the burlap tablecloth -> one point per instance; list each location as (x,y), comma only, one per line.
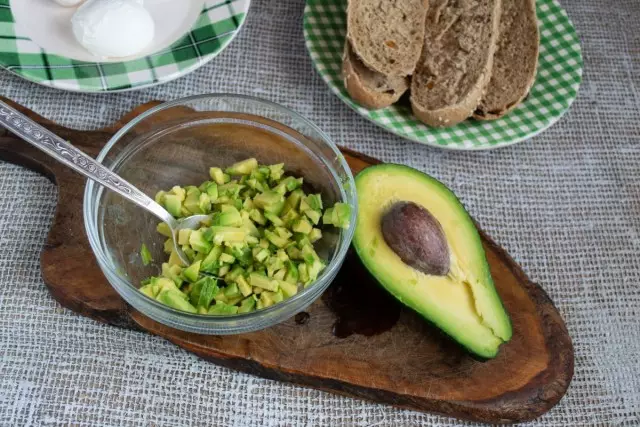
(566,204)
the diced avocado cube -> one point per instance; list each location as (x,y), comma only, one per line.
(229,218)
(314,201)
(226,258)
(222,234)
(283,232)
(257,216)
(173,205)
(304,206)
(204,203)
(273,265)
(302,225)
(256,290)
(275,239)
(244,167)
(261,254)
(191,273)
(232,291)
(327,218)
(266,199)
(282,255)
(292,273)
(163,228)
(175,299)
(190,253)
(198,242)
(315,269)
(202,310)
(276,208)
(235,300)
(276,171)
(274,219)
(293,201)
(212,191)
(255,184)
(260,281)
(243,285)
(183,236)
(278,296)
(343,213)
(287,184)
(289,217)
(192,202)
(279,275)
(210,262)
(218,176)
(208,290)
(294,252)
(232,189)
(266,299)
(314,216)
(309,255)
(264,243)
(159,198)
(288,289)
(303,272)
(247,305)
(301,240)
(233,274)
(163,284)
(315,235)
(178,191)
(172,272)
(148,290)
(249,226)
(222,308)
(247,205)
(174,259)
(222,200)
(168,246)
(222,271)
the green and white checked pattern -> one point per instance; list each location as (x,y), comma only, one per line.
(556,86)
(214,29)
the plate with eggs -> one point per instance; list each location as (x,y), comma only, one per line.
(114,45)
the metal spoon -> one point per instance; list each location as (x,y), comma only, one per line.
(70,156)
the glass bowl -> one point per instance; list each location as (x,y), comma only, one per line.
(175,143)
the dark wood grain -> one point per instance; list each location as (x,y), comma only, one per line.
(405,363)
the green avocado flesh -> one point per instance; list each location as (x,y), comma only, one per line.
(463,302)
(255,249)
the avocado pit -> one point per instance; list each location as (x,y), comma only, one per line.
(417,238)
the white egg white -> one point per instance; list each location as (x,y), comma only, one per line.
(113,28)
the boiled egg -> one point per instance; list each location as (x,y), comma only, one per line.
(113,28)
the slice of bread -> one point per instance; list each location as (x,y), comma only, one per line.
(387,35)
(367,87)
(515,60)
(455,66)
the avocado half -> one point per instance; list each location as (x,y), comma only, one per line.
(415,237)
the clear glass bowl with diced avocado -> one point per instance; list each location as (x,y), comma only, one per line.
(256,248)
(281,208)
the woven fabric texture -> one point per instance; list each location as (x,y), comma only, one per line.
(565,204)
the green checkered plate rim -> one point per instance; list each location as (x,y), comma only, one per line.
(556,86)
(218,23)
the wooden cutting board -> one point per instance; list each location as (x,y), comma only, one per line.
(367,348)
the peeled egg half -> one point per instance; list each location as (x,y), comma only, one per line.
(113,28)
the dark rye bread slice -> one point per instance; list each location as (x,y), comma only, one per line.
(367,87)
(514,62)
(457,56)
(387,35)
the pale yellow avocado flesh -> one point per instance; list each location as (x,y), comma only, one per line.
(464,304)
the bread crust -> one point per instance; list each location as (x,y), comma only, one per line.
(518,32)
(360,92)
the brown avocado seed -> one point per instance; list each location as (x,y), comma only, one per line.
(417,238)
